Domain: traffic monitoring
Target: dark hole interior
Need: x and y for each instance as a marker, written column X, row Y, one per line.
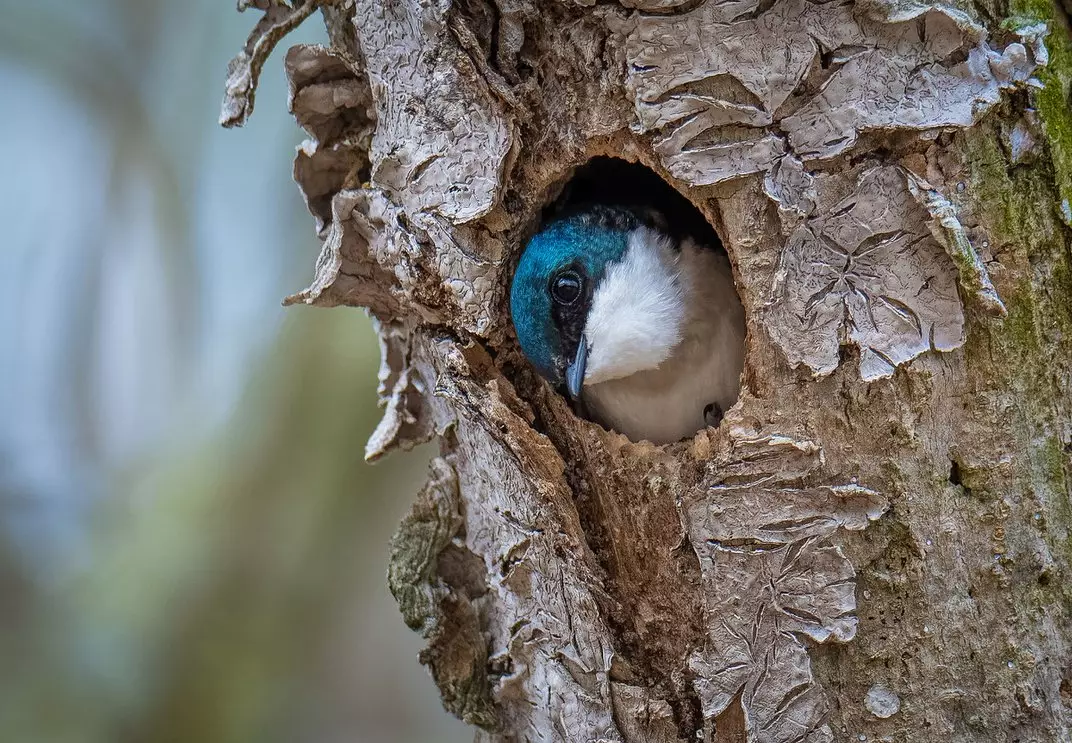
column 954, row 472
column 611, row 180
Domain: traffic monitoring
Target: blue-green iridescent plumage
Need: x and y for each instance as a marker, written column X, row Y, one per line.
column 577, row 240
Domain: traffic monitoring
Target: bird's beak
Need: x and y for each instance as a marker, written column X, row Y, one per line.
column 575, row 371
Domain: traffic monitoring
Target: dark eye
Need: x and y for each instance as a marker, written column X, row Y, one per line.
column 566, row 287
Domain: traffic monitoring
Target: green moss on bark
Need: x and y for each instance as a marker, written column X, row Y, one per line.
column 1054, row 100
column 423, row 534
column 1024, row 208
column 457, row 652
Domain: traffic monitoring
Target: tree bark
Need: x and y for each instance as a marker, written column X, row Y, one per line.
column 875, row 542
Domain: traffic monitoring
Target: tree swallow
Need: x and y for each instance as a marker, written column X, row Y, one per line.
column 644, row 328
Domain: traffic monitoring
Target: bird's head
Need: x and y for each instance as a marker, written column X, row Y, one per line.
column 598, row 295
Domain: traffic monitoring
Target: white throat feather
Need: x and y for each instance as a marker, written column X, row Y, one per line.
column 638, row 310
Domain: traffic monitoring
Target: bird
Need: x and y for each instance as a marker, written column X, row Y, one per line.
column 643, row 327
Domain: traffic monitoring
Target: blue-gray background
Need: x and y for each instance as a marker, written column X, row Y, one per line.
column 191, row 547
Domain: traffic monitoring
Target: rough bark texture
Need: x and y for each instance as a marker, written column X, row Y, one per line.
column 875, row 543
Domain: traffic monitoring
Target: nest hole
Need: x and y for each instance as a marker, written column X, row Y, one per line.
column 693, row 385
column 611, row 180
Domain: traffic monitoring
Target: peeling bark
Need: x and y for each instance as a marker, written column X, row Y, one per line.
column 873, row 544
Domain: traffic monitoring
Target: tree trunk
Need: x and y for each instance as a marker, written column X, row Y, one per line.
column 875, row 543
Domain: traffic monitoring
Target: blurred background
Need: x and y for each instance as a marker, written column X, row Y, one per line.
column 191, row 546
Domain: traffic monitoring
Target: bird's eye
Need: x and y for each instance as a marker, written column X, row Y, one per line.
column 566, row 287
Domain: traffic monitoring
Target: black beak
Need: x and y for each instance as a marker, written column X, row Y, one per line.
column 575, row 371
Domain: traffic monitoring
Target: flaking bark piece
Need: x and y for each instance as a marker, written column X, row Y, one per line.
column 806, row 586
column 949, row 232
column 383, row 207
column 321, row 172
column 762, row 597
column 243, row 72
column 712, row 82
column 330, row 98
column 406, row 420
column 928, row 89
column 870, row 272
column 771, row 575
column 373, row 254
column 753, row 459
column 789, row 184
column 345, row 271
column 767, row 668
column 443, row 138
column 329, row 95
column 738, row 514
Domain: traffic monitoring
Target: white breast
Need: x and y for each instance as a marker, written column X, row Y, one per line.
column 666, row 403
column 637, row 315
